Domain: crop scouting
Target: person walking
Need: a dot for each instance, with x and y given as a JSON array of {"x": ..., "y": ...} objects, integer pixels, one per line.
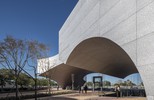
[
  {"x": 79, "y": 88},
  {"x": 82, "y": 88},
  {"x": 85, "y": 88},
  {"x": 117, "y": 89}
]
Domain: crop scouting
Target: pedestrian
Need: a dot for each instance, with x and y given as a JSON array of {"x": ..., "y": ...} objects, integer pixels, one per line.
[
  {"x": 85, "y": 88},
  {"x": 57, "y": 87},
  {"x": 79, "y": 88},
  {"x": 117, "y": 89},
  {"x": 82, "y": 88}
]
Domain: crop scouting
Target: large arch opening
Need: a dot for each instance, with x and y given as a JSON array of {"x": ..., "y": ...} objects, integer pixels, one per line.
[{"x": 102, "y": 55}]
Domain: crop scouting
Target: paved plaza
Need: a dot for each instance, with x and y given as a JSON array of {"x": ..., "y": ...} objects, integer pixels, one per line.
[{"x": 88, "y": 96}]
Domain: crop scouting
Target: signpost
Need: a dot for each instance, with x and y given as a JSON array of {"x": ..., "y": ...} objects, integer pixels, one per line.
[{"x": 99, "y": 81}]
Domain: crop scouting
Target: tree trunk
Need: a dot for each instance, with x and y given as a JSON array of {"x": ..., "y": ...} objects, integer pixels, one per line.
[
  {"x": 35, "y": 85},
  {"x": 16, "y": 83},
  {"x": 49, "y": 86}
]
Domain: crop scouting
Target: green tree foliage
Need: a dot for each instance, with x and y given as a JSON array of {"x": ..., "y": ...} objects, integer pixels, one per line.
[
  {"x": 53, "y": 83},
  {"x": 107, "y": 83},
  {"x": 126, "y": 83},
  {"x": 5, "y": 76},
  {"x": 2, "y": 81},
  {"x": 141, "y": 84},
  {"x": 31, "y": 83},
  {"x": 23, "y": 80},
  {"x": 45, "y": 82},
  {"x": 42, "y": 82},
  {"x": 89, "y": 84}
]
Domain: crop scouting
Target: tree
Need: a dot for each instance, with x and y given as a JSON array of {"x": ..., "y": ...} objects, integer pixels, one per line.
[
  {"x": 5, "y": 76},
  {"x": 2, "y": 81},
  {"x": 43, "y": 82},
  {"x": 126, "y": 83},
  {"x": 53, "y": 83},
  {"x": 141, "y": 84},
  {"x": 23, "y": 80},
  {"x": 130, "y": 83},
  {"x": 32, "y": 83},
  {"x": 16, "y": 53},
  {"x": 107, "y": 83},
  {"x": 89, "y": 84}
]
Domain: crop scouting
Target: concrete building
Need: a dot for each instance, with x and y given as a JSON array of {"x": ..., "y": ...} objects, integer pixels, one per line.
[{"x": 114, "y": 37}]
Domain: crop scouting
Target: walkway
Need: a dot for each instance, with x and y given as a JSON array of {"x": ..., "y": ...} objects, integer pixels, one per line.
[{"x": 89, "y": 96}]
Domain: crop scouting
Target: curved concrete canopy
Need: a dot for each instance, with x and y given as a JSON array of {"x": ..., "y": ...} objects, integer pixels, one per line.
[
  {"x": 92, "y": 55},
  {"x": 62, "y": 75},
  {"x": 101, "y": 55}
]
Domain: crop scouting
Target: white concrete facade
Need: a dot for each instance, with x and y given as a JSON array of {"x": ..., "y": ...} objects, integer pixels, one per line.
[
  {"x": 45, "y": 64},
  {"x": 128, "y": 23}
]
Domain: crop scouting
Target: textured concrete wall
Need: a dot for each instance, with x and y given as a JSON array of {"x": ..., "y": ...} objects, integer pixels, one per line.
[
  {"x": 45, "y": 64},
  {"x": 129, "y": 23}
]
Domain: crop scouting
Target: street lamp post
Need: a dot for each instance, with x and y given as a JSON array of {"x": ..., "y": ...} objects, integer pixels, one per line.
[{"x": 72, "y": 81}]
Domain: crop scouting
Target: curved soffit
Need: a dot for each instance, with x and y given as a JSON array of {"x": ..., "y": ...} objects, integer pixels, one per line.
[
  {"x": 101, "y": 55},
  {"x": 62, "y": 75}
]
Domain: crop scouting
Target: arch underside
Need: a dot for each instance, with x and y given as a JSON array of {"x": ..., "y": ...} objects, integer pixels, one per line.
[
  {"x": 62, "y": 75},
  {"x": 99, "y": 55}
]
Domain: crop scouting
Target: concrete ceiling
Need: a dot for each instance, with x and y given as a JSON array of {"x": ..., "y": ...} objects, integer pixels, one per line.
[
  {"x": 102, "y": 55},
  {"x": 62, "y": 75}
]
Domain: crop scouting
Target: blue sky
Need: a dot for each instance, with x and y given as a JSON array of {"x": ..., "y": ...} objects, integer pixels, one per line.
[{"x": 37, "y": 20}]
